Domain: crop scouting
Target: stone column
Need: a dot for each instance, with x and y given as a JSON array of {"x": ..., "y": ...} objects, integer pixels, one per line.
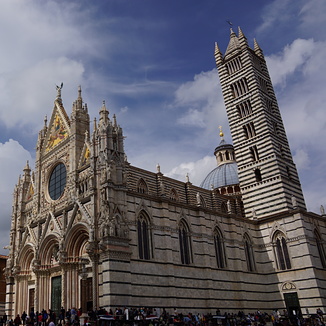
[
  {"x": 93, "y": 254},
  {"x": 63, "y": 287},
  {"x": 9, "y": 296}
]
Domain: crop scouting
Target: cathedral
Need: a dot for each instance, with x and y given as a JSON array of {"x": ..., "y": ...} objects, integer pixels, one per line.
[{"x": 91, "y": 230}]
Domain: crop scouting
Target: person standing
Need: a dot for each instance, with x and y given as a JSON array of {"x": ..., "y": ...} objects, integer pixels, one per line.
[
  {"x": 126, "y": 313},
  {"x": 24, "y": 315},
  {"x": 4, "y": 319},
  {"x": 17, "y": 320}
]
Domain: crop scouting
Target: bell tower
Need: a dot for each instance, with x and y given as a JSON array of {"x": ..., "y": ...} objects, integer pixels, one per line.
[{"x": 268, "y": 177}]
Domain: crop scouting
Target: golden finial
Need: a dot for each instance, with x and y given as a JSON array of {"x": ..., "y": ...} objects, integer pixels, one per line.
[{"x": 221, "y": 132}]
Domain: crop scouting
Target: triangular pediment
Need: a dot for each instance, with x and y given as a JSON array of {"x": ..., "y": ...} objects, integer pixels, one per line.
[{"x": 58, "y": 129}]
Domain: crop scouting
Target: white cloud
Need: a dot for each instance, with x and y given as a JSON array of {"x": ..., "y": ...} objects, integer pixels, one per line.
[
  {"x": 297, "y": 70},
  {"x": 276, "y": 12},
  {"x": 34, "y": 87},
  {"x": 205, "y": 107},
  {"x": 42, "y": 45},
  {"x": 197, "y": 170},
  {"x": 200, "y": 89},
  {"x": 312, "y": 14},
  {"x": 301, "y": 159},
  {"x": 193, "y": 118},
  {"x": 302, "y": 101},
  {"x": 293, "y": 57}
]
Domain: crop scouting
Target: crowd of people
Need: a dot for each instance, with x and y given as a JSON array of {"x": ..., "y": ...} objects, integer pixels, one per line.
[{"x": 160, "y": 317}]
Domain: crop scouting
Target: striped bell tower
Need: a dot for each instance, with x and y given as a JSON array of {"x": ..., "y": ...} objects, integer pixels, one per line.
[{"x": 268, "y": 177}]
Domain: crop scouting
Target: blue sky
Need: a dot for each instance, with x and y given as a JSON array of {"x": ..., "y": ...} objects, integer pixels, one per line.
[{"x": 153, "y": 64}]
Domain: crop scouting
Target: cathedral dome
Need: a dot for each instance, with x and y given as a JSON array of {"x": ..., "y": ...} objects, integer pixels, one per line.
[
  {"x": 226, "y": 172},
  {"x": 221, "y": 176}
]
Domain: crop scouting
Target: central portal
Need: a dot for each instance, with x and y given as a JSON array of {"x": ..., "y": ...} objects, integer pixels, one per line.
[{"x": 56, "y": 294}]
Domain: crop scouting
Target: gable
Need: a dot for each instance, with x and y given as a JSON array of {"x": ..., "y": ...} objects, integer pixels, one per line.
[
  {"x": 30, "y": 192},
  {"x": 85, "y": 156},
  {"x": 58, "y": 128}
]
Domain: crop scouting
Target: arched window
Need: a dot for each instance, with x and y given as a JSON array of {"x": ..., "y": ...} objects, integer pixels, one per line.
[
  {"x": 321, "y": 249},
  {"x": 173, "y": 195},
  {"x": 219, "y": 249},
  {"x": 142, "y": 187},
  {"x": 249, "y": 253},
  {"x": 224, "y": 207},
  {"x": 184, "y": 240},
  {"x": 143, "y": 236},
  {"x": 254, "y": 153},
  {"x": 282, "y": 253}
]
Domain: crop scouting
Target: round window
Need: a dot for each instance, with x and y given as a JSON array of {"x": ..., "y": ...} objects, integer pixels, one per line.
[{"x": 57, "y": 181}]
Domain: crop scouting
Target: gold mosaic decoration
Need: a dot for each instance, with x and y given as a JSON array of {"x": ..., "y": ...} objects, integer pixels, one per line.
[
  {"x": 58, "y": 133},
  {"x": 30, "y": 192},
  {"x": 86, "y": 157}
]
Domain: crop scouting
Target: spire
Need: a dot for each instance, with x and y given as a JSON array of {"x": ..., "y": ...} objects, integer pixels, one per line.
[
  {"x": 240, "y": 33},
  {"x": 242, "y": 39},
  {"x": 27, "y": 172},
  {"x": 27, "y": 168},
  {"x": 234, "y": 45},
  {"x": 104, "y": 115},
  {"x": 95, "y": 125},
  {"x": 258, "y": 50},
  {"x": 79, "y": 101},
  {"x": 221, "y": 132},
  {"x": 79, "y": 92},
  {"x": 218, "y": 55}
]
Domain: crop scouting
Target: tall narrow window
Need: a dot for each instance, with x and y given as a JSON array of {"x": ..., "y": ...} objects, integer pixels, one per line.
[
  {"x": 258, "y": 175},
  {"x": 249, "y": 130},
  {"x": 143, "y": 237},
  {"x": 234, "y": 65},
  {"x": 269, "y": 104},
  {"x": 263, "y": 84},
  {"x": 239, "y": 87},
  {"x": 254, "y": 153},
  {"x": 219, "y": 249},
  {"x": 288, "y": 172},
  {"x": 275, "y": 127},
  {"x": 249, "y": 253},
  {"x": 244, "y": 109},
  {"x": 282, "y": 253},
  {"x": 184, "y": 239},
  {"x": 321, "y": 249}
]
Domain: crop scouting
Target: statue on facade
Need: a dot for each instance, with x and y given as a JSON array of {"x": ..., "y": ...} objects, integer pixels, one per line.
[
  {"x": 228, "y": 203},
  {"x": 59, "y": 88},
  {"x": 198, "y": 199}
]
